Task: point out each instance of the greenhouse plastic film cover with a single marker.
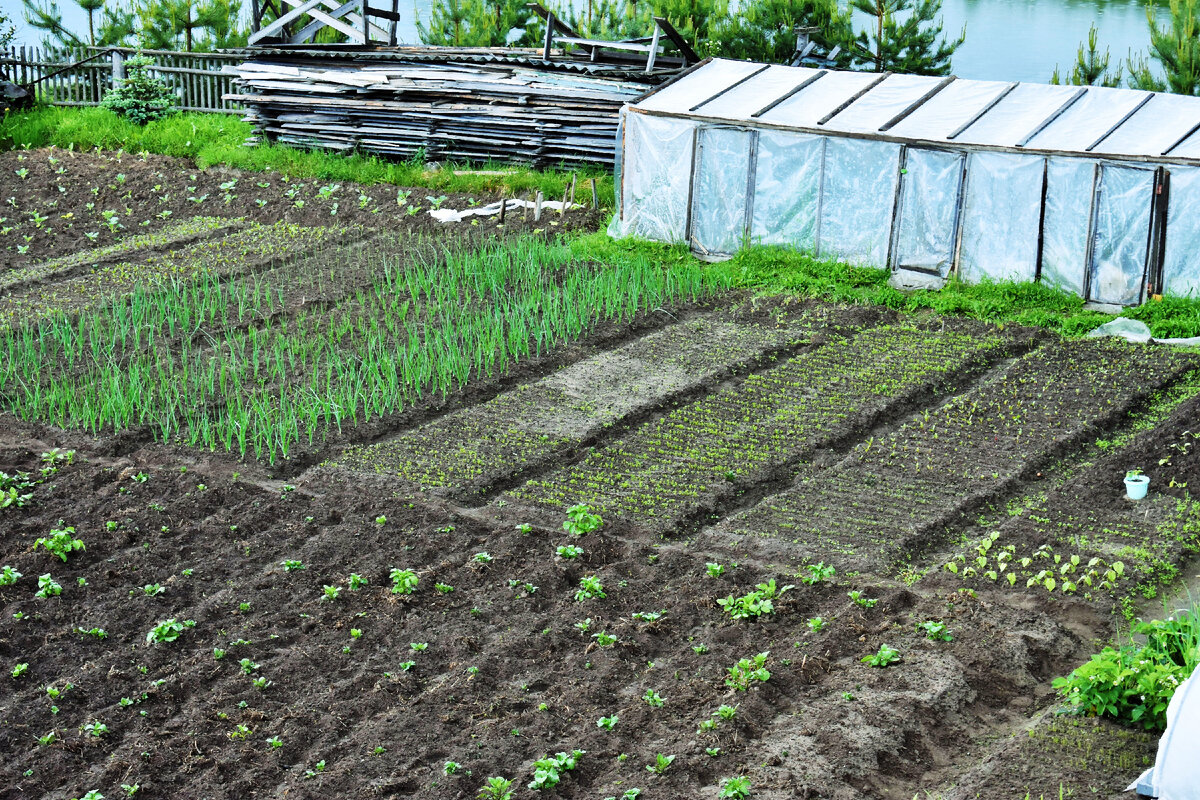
(654, 178)
(1176, 771)
(928, 210)
(1001, 215)
(1065, 230)
(719, 193)
(1122, 233)
(1181, 268)
(787, 189)
(857, 199)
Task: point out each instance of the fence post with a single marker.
(118, 67)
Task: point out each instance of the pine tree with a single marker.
(481, 23)
(114, 26)
(905, 36)
(1176, 47)
(765, 30)
(7, 31)
(1091, 67)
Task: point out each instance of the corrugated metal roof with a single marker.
(1087, 120)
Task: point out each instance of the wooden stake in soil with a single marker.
(563, 210)
(537, 206)
(595, 195)
(503, 206)
(572, 188)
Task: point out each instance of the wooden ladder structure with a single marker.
(356, 19)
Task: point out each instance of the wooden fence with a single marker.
(196, 78)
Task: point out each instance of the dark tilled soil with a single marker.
(152, 192)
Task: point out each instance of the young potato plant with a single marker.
(734, 788)
(935, 631)
(754, 604)
(885, 657)
(496, 788)
(548, 770)
(748, 671)
(168, 630)
(61, 542)
(47, 587)
(607, 723)
(817, 573)
(581, 520)
(8, 576)
(661, 764)
(590, 587)
(861, 600)
(404, 581)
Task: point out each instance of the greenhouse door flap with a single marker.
(926, 227)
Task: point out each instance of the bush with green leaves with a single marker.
(1133, 684)
(140, 98)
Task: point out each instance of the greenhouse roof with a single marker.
(1083, 120)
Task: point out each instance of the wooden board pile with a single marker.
(489, 109)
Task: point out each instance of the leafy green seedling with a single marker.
(604, 639)
(496, 788)
(443, 588)
(886, 656)
(661, 764)
(61, 542)
(859, 599)
(734, 788)
(47, 587)
(168, 630)
(331, 593)
(404, 581)
(653, 699)
(275, 742)
(816, 624)
(590, 587)
(547, 771)
(356, 582)
(453, 768)
(580, 520)
(748, 671)
(935, 631)
(569, 551)
(754, 604)
(817, 573)
(714, 569)
(248, 666)
(20, 669)
(419, 647)
(483, 558)
(8, 576)
(292, 565)
(607, 723)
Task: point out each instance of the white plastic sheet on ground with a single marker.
(1132, 330)
(857, 199)
(654, 179)
(787, 188)
(928, 210)
(719, 191)
(1181, 267)
(1176, 771)
(1122, 235)
(1001, 215)
(1067, 222)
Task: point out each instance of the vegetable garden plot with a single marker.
(255, 247)
(419, 330)
(57, 268)
(677, 466)
(316, 664)
(470, 450)
(889, 496)
(1083, 539)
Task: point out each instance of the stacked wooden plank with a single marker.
(457, 107)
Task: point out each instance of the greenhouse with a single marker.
(1089, 189)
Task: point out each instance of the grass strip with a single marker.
(210, 139)
(781, 270)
